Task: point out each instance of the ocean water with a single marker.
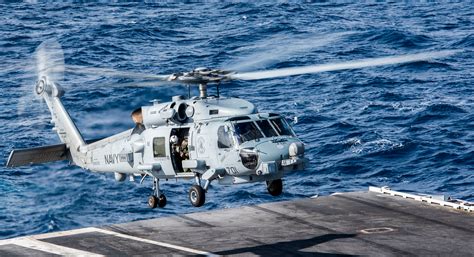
(409, 127)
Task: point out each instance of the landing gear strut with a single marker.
(157, 199)
(197, 194)
(275, 187)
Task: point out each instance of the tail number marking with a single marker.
(231, 170)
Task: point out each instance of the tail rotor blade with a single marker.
(50, 60)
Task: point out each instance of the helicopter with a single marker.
(205, 137)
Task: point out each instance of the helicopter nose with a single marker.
(295, 149)
(279, 156)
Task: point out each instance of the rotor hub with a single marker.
(40, 86)
(200, 76)
(43, 85)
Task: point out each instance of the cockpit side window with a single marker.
(267, 128)
(159, 149)
(224, 139)
(282, 127)
(246, 131)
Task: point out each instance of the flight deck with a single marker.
(379, 222)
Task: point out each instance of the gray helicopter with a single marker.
(205, 138)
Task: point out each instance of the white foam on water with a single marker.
(374, 146)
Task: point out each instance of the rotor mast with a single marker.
(203, 90)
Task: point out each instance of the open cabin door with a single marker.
(179, 149)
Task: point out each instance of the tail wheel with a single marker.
(275, 187)
(197, 196)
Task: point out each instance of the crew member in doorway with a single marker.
(184, 151)
(174, 144)
(176, 153)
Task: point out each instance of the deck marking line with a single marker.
(63, 233)
(32, 243)
(162, 244)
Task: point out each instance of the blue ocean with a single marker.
(406, 126)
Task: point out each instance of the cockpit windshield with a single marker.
(246, 131)
(267, 128)
(282, 127)
(252, 130)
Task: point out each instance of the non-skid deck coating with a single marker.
(360, 223)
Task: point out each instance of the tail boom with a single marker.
(63, 124)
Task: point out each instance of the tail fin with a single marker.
(63, 124)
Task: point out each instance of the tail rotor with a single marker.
(49, 57)
(48, 62)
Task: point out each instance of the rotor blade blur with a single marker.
(50, 60)
(357, 64)
(77, 69)
(280, 48)
(144, 84)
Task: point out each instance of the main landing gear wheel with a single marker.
(197, 195)
(275, 187)
(162, 201)
(154, 201)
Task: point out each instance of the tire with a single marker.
(152, 201)
(162, 201)
(197, 196)
(275, 187)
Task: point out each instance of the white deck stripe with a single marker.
(34, 244)
(64, 233)
(92, 229)
(167, 245)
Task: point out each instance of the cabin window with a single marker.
(267, 128)
(247, 131)
(159, 147)
(224, 139)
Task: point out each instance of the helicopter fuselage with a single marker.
(223, 139)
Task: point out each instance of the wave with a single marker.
(434, 112)
(399, 38)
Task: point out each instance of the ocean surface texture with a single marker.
(409, 127)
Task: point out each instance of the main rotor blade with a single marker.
(143, 84)
(363, 63)
(78, 69)
(280, 48)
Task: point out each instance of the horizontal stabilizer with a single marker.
(50, 153)
(43, 154)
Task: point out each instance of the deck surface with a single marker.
(359, 223)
